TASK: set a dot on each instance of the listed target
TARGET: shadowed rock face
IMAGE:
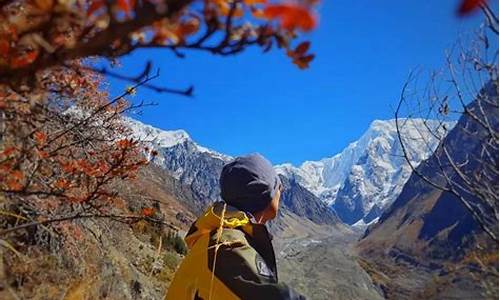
(200, 171)
(428, 232)
(303, 203)
(349, 203)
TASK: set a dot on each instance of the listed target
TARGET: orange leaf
(23, 60)
(61, 183)
(148, 211)
(303, 62)
(68, 167)
(4, 47)
(17, 175)
(6, 166)
(302, 48)
(8, 151)
(42, 154)
(94, 6)
(126, 5)
(40, 137)
(125, 143)
(14, 185)
(187, 29)
(291, 16)
(253, 2)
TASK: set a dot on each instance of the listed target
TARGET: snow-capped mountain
(357, 183)
(193, 165)
(160, 139)
(368, 175)
(199, 169)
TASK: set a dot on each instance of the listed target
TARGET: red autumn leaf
(94, 6)
(187, 29)
(148, 211)
(17, 175)
(302, 48)
(468, 6)
(4, 47)
(68, 167)
(40, 137)
(126, 5)
(102, 166)
(14, 185)
(61, 183)
(253, 2)
(86, 167)
(23, 60)
(6, 166)
(291, 16)
(303, 62)
(125, 143)
(42, 154)
(8, 151)
(299, 56)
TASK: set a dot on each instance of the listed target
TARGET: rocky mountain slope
(367, 176)
(305, 226)
(357, 183)
(103, 258)
(199, 169)
(427, 244)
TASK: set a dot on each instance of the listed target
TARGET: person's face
(275, 204)
(272, 210)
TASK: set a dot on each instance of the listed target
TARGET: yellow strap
(217, 245)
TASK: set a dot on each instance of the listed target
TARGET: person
(230, 254)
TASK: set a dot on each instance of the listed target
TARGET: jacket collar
(232, 218)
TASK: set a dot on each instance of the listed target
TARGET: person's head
(250, 184)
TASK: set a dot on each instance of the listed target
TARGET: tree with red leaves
(63, 143)
(40, 34)
(62, 139)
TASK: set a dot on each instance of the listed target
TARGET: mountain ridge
(365, 177)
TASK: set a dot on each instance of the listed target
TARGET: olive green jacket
(230, 257)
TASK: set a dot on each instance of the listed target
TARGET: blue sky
(258, 102)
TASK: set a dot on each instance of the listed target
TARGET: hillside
(314, 248)
(103, 258)
(305, 226)
(427, 244)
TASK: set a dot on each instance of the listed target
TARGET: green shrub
(174, 242)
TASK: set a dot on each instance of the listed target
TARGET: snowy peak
(358, 183)
(156, 136)
(161, 139)
(369, 173)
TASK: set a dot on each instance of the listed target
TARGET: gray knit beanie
(249, 183)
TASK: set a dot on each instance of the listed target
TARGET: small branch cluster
(63, 145)
(39, 34)
(467, 163)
